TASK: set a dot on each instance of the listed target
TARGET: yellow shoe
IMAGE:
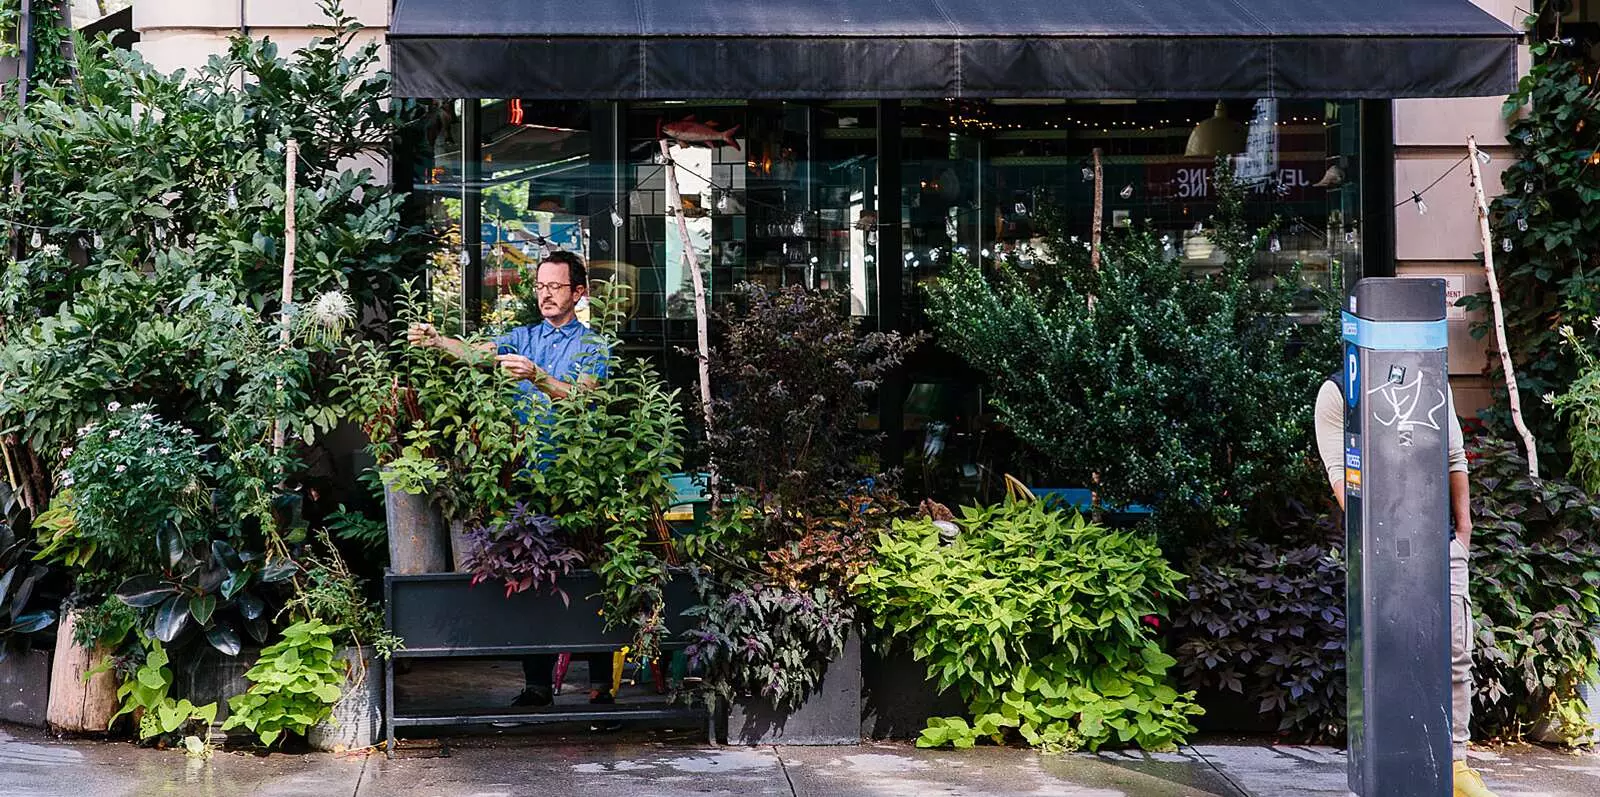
(1469, 783)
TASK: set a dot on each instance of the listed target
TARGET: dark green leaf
(143, 592)
(171, 618)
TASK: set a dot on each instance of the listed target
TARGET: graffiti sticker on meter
(1352, 466)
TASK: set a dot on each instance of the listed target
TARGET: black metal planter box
(831, 715)
(443, 615)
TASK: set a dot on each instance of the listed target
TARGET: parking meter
(1397, 512)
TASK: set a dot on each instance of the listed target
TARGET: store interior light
(1218, 135)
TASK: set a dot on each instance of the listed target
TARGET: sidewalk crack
(784, 768)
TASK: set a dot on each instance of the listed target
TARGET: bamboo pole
(702, 343)
(285, 309)
(1499, 314)
(1099, 213)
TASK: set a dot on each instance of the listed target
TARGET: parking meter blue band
(1396, 335)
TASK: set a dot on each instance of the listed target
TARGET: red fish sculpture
(688, 131)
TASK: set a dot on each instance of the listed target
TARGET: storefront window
(546, 184)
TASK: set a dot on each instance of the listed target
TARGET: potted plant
(774, 565)
(329, 591)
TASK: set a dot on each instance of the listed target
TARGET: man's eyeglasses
(550, 287)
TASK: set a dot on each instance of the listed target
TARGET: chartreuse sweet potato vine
(1038, 618)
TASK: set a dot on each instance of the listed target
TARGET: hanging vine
(51, 39)
(1547, 237)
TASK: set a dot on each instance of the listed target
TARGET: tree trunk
(76, 705)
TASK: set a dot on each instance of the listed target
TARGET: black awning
(814, 49)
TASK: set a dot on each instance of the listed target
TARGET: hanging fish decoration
(688, 131)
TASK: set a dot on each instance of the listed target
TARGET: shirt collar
(568, 328)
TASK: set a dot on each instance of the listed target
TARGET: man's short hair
(577, 275)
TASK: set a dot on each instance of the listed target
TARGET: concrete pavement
(556, 763)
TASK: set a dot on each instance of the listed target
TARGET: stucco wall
(185, 33)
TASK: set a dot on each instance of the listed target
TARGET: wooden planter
(78, 705)
(25, 688)
(830, 716)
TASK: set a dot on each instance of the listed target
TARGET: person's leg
(1460, 653)
(601, 675)
(537, 677)
(1467, 782)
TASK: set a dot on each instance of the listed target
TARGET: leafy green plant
(293, 685)
(524, 552)
(1578, 404)
(357, 529)
(215, 593)
(1547, 240)
(1265, 620)
(327, 590)
(775, 564)
(1177, 390)
(146, 696)
(1038, 618)
(19, 577)
(1535, 593)
(131, 473)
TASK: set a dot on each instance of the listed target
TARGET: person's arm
(1328, 419)
(523, 368)
(425, 336)
(1460, 485)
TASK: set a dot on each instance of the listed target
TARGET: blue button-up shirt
(566, 352)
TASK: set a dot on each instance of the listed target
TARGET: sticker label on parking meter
(1352, 466)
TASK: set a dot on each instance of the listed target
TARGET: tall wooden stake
(291, 154)
(1099, 211)
(1499, 314)
(703, 350)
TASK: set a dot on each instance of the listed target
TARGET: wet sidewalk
(556, 764)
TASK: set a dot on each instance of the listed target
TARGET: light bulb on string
(1522, 224)
(1275, 246)
(1505, 243)
(799, 226)
(1350, 237)
(98, 241)
(1020, 209)
(1088, 174)
(1527, 187)
(1127, 192)
(909, 256)
(616, 218)
(1484, 158)
(233, 199)
(722, 203)
(1422, 207)
(984, 252)
(37, 240)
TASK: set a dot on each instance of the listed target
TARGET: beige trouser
(1461, 634)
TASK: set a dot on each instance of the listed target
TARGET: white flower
(114, 406)
(1596, 323)
(66, 452)
(1549, 398)
(121, 468)
(84, 430)
(114, 434)
(1566, 330)
(66, 478)
(147, 417)
(143, 426)
(163, 451)
(50, 250)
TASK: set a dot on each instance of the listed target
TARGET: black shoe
(600, 697)
(534, 696)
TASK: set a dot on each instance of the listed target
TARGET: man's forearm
(1461, 506)
(1337, 482)
(461, 350)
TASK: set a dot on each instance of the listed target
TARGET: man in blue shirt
(552, 359)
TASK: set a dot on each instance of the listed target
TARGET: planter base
(830, 716)
(357, 719)
(25, 688)
(898, 697)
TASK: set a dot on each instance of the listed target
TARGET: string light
(1275, 246)
(1483, 158)
(1522, 223)
(37, 240)
(616, 218)
(1127, 192)
(464, 257)
(722, 202)
(98, 243)
(1416, 196)
(1088, 174)
(1505, 243)
(1422, 207)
